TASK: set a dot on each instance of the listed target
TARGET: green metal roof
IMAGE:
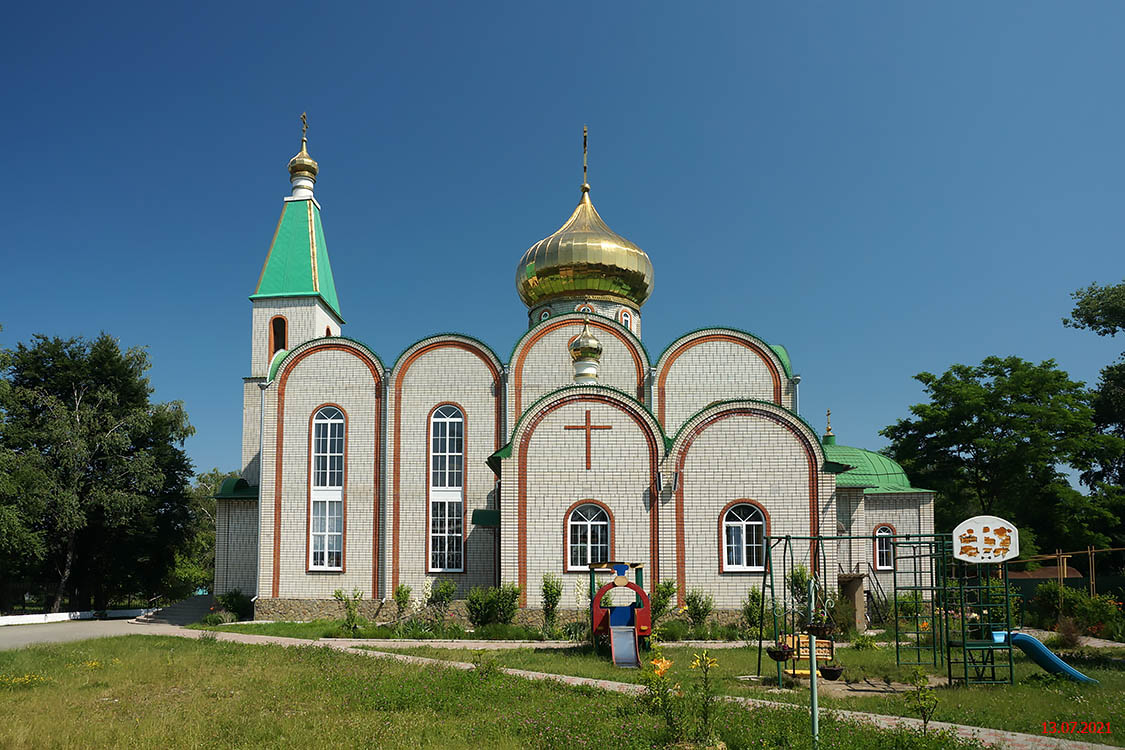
(236, 488)
(874, 472)
(297, 263)
(486, 518)
(782, 354)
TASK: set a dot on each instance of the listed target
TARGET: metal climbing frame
(918, 608)
(979, 623)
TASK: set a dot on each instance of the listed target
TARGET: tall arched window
(279, 334)
(588, 536)
(326, 516)
(447, 484)
(627, 319)
(744, 538)
(884, 549)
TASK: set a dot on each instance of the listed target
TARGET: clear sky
(883, 188)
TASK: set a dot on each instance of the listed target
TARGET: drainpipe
(261, 464)
(796, 381)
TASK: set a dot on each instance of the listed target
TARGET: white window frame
(744, 537)
(884, 548)
(446, 467)
(580, 534)
(627, 319)
(543, 315)
(585, 308)
(326, 491)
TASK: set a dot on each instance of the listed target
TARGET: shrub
(238, 603)
(922, 700)
(481, 605)
(402, 599)
(864, 642)
(661, 600)
(909, 605)
(507, 603)
(1068, 632)
(672, 630)
(552, 593)
(352, 621)
(441, 595)
(752, 610)
(842, 613)
(491, 605)
(219, 617)
(699, 605)
(1093, 614)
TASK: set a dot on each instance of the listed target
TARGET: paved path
(18, 636)
(97, 629)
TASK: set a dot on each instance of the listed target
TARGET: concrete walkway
(18, 636)
(83, 630)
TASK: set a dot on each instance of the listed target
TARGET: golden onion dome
(303, 165)
(584, 258)
(585, 346)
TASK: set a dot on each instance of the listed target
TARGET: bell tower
(295, 299)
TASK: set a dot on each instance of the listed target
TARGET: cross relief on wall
(589, 428)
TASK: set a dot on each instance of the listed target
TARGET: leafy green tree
(100, 469)
(1101, 309)
(194, 566)
(995, 438)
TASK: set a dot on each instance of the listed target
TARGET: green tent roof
(874, 472)
(297, 263)
(236, 488)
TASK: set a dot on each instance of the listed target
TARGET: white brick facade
(665, 447)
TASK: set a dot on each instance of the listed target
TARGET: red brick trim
(547, 327)
(521, 478)
(875, 547)
(464, 488)
(273, 349)
(279, 457)
(814, 488)
(343, 497)
(682, 348)
(395, 452)
(566, 533)
(722, 536)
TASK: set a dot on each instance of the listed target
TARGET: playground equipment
(1042, 656)
(625, 624)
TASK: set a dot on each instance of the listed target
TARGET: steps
(186, 612)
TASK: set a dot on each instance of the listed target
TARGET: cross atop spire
(585, 182)
(828, 417)
(304, 126)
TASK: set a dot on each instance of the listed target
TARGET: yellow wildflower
(703, 659)
(660, 666)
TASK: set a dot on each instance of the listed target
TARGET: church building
(583, 445)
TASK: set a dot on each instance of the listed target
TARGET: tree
(195, 563)
(1101, 309)
(994, 439)
(99, 470)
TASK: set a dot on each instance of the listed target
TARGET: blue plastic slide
(1042, 656)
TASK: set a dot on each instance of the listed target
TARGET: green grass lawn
(1022, 707)
(171, 692)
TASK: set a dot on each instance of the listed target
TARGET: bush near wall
(1100, 616)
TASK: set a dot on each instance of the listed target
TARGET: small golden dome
(585, 346)
(303, 165)
(584, 258)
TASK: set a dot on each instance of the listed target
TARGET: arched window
(588, 534)
(447, 483)
(884, 549)
(326, 516)
(627, 319)
(544, 315)
(327, 331)
(585, 308)
(744, 538)
(278, 334)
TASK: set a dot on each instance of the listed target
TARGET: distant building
(580, 446)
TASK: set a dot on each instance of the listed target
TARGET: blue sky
(882, 188)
